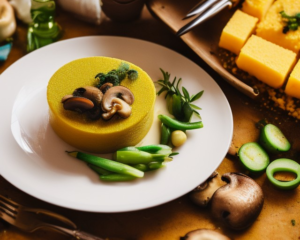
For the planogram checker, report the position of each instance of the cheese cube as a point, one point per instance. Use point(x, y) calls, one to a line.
point(293, 85)
point(256, 8)
point(237, 31)
point(271, 27)
point(266, 61)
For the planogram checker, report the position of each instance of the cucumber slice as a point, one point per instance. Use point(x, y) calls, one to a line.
point(273, 140)
point(253, 157)
point(284, 165)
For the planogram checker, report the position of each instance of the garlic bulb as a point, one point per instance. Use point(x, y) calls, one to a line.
point(7, 20)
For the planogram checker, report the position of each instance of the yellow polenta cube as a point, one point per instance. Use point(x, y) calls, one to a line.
point(237, 31)
point(256, 8)
point(293, 85)
point(271, 27)
point(266, 61)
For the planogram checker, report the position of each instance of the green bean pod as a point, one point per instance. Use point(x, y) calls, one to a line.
point(178, 125)
point(141, 166)
point(134, 157)
point(155, 165)
point(165, 134)
point(99, 170)
point(107, 164)
point(116, 178)
point(156, 148)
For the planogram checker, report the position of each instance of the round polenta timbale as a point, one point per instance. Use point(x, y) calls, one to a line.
point(99, 136)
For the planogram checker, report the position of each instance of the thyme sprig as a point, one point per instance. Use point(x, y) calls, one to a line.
point(292, 22)
point(173, 88)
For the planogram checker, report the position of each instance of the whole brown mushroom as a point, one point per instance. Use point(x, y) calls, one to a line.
point(204, 234)
point(203, 193)
point(238, 203)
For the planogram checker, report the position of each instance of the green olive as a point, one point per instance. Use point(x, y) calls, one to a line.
point(178, 138)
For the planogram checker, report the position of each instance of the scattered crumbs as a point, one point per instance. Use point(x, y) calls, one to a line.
point(293, 222)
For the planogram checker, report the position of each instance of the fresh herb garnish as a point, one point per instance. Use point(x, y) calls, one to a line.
point(115, 76)
point(292, 22)
point(179, 104)
point(293, 222)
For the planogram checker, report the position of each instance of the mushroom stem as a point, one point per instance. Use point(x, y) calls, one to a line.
point(202, 194)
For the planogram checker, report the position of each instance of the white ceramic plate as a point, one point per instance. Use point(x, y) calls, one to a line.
point(33, 158)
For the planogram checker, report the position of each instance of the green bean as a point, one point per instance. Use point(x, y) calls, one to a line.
point(158, 148)
point(142, 167)
point(107, 164)
point(164, 134)
point(136, 157)
point(99, 170)
point(116, 178)
point(128, 149)
point(155, 165)
point(178, 125)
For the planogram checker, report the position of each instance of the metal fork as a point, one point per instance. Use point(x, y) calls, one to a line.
point(205, 9)
point(27, 219)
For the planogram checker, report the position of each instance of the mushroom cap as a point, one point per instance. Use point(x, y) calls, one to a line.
point(89, 92)
point(77, 104)
point(238, 203)
point(204, 234)
point(116, 92)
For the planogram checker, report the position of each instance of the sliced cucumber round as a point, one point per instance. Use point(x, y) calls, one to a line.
point(284, 165)
point(253, 157)
point(273, 140)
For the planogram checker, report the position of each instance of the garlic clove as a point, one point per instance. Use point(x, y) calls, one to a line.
point(7, 20)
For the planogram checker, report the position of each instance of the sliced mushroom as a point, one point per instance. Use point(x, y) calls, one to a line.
point(89, 92)
point(202, 194)
point(238, 203)
point(77, 104)
point(66, 98)
point(204, 234)
point(116, 92)
point(119, 107)
point(105, 87)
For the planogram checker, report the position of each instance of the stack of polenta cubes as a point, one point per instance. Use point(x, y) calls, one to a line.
point(255, 33)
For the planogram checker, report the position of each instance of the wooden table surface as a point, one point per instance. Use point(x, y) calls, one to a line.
point(174, 219)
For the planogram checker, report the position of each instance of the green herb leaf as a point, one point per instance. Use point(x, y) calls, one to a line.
point(293, 222)
point(197, 96)
point(186, 94)
point(172, 88)
point(195, 107)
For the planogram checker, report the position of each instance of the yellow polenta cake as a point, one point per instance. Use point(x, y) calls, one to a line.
point(99, 136)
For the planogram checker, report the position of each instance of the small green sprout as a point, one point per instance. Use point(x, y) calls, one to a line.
point(292, 22)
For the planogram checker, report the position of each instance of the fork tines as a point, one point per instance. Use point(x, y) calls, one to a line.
point(205, 9)
point(8, 209)
point(200, 8)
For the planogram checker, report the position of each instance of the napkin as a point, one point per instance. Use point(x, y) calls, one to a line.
point(86, 10)
point(22, 9)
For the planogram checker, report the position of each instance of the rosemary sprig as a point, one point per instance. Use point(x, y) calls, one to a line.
point(173, 88)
